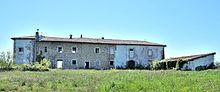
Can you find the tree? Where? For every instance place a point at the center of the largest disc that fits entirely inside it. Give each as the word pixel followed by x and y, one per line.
pixel 40 57
pixel 6 61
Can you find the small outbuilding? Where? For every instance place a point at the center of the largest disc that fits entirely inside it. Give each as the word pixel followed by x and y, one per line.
pixel 192 62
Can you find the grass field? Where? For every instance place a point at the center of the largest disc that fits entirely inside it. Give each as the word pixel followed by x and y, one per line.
pixel 111 81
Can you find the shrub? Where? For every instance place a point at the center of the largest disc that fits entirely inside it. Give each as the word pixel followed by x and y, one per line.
pixel 200 68
pixel 22 67
pixel 120 67
pixel 155 65
pixel 42 66
pixel 45 63
pixel 140 66
pixel 212 66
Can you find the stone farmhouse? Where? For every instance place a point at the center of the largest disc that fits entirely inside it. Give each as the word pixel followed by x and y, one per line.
pixel 86 53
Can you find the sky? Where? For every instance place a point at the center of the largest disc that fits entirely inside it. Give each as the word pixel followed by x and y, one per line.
pixel 186 26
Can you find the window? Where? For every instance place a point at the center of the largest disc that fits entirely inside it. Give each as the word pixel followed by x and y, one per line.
pixel 111 62
pixel 131 53
pixel 60 49
pixel 150 52
pixel 74 62
pixel 45 49
pixel 73 49
pixel 20 50
pixel 112 51
pixel 97 50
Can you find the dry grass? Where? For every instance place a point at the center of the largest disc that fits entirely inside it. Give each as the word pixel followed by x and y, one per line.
pixel 111 81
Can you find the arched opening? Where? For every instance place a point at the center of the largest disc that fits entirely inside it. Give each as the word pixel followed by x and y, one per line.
pixel 131 64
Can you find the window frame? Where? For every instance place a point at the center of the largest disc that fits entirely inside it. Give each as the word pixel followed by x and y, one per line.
pixel 22 50
pixel 131 52
pixel 111 63
pixel 98 50
pixel 112 51
pixel 150 53
pixel 45 49
pixel 75 49
pixel 61 49
pixel 75 61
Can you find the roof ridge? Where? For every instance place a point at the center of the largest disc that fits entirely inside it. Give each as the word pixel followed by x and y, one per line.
pixel 190 57
pixel 93 40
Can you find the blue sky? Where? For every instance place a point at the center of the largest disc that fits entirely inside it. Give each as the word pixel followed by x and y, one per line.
pixel 185 26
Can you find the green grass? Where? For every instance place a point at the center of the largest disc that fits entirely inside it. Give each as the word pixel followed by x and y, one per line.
pixel 111 81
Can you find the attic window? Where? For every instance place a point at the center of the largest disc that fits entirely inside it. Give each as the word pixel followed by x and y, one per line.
pixel 60 49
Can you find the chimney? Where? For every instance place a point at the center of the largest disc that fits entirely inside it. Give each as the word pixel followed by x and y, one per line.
pixel 37 37
pixel 81 36
pixel 71 36
pixel 103 38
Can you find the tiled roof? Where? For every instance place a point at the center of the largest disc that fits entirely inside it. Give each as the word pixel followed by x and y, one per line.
pixel 189 58
pixel 92 41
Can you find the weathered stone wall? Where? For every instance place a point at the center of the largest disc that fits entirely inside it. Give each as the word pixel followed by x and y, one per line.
pixel 140 55
pixel 85 53
pixel 205 61
pixel 25 57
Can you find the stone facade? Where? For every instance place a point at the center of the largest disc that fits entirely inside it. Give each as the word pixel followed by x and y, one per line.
pixel 84 53
pixel 142 55
pixel 27 54
pixel 80 53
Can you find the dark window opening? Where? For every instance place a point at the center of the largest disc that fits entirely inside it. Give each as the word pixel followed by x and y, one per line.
pixel 60 49
pixel 131 49
pixel 96 50
pixel 73 62
pixel 74 50
pixel 111 62
pixel 45 49
pixel 20 49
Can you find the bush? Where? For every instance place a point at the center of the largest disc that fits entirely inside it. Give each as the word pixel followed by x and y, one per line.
pixel 200 68
pixel 212 66
pixel 155 65
pixel 42 66
pixel 120 67
pixel 217 66
pixel 141 67
pixel 22 67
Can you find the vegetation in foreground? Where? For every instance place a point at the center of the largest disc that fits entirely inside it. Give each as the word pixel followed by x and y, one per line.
pixel 111 81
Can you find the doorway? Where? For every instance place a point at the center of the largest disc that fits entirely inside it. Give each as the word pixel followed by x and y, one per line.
pixel 59 63
pixel 86 65
pixel 131 64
